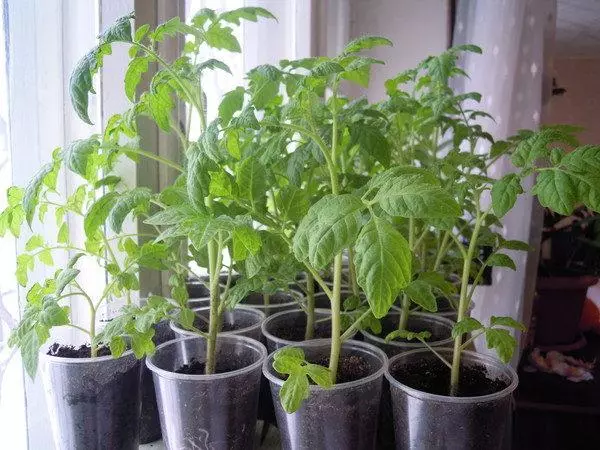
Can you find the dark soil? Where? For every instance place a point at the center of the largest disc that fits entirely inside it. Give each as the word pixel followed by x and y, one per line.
pixel 433 376
pixel 296 332
pixel 350 368
pixel 70 351
pixel 195 367
pixel 389 324
pixel 278 298
pixel 444 305
pixel 203 325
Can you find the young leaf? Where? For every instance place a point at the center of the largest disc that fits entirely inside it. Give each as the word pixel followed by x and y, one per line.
pixel 504 193
pixel 293 392
pixel 137 199
pixel 220 37
pixel 507 322
pixel 408 335
pixel 35 241
pixel 501 260
pixel 411 197
pixel 330 225
pixel 251 13
pixel 467 325
pixel 420 293
pixel 515 245
pixel 98 213
pixel 383 264
pixel 32 192
pixel 65 277
pixel 231 103
pixel 137 67
pixel 365 43
pixel 319 374
pixel 251 182
pixel 502 341
pixel 77 155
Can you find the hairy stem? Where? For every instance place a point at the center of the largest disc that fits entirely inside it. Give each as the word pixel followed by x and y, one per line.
pixel 215 258
pixel 310 307
pixel 352 271
pixel 405 311
pixel 464 301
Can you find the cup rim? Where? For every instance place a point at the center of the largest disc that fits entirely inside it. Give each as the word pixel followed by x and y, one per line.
pixel 368 348
pixel 64 360
pixel 298 298
pixel 484 359
pixel 261 316
pixel 273 317
pixel 248 342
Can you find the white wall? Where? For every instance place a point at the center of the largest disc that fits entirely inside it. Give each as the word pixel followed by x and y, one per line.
pixel 418 28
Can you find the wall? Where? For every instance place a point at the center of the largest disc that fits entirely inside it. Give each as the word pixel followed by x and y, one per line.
pixel 579 105
pixel 418 28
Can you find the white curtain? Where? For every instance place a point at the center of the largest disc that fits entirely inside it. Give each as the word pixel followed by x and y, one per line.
pixel 514 36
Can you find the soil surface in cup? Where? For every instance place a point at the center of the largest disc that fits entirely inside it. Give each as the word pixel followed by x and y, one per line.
pixel 389 324
pixel 350 368
pixel 444 305
pixel 433 376
pixel 70 351
pixel 195 367
pixel 278 298
pixel 296 333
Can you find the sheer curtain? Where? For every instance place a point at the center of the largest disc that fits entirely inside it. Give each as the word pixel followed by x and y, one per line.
pixel 514 36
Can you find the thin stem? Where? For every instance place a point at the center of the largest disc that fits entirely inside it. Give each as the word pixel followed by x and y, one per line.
pixel 355 325
pixel 83 330
pixel 319 280
pixel 310 307
pixel 266 300
pixel 441 251
pixel 92 333
pixel 166 162
pixel 405 311
pixel 352 270
pixel 215 256
pixel 471 339
pixel 464 301
pixel 444 360
pixel 336 323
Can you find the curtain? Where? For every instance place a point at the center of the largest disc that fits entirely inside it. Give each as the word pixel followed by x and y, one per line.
pixel 514 36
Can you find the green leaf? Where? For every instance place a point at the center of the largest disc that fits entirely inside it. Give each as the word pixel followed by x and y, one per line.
pixel 78 153
pixel 45 257
pixel 293 392
pixel 117 346
pixel 220 184
pixel 319 374
pixel 383 264
pixel 502 341
pixel 507 322
pixel 32 191
pixel 251 13
pixel 515 245
pixel 371 141
pixel 198 178
pixel 467 325
pixel 30 347
pixel 213 64
pixel 501 260
pixel 292 203
pixel 63 234
pixel 326 68
pixel 135 200
pixel 231 103
pixel 252 182
pixel 172 215
pixel 330 225
pixel 420 293
pixel 137 67
pixel 35 241
pixel 246 241
pixel 366 43
pixel 263 85
pixel 408 335
pixel 65 277
pixel 437 281
pixel 98 213
pixel 142 344
pixel 119 30
pixel 504 193
pixel 411 197
pixel 220 37
pixel 169 28
pixel 159 104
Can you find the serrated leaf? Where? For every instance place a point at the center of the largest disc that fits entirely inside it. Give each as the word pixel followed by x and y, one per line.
pixel 557 190
pixel 98 213
pixel 251 13
pixel 45 257
pixel 35 241
pixel 78 153
pixel 515 245
pixel 504 193
pixel 221 38
pixel 231 103
pixel 117 346
pixel 501 341
pixel 246 241
pixel 467 325
pixel 292 203
pixel 408 335
pixel 366 43
pixel 159 104
pixel 330 225
pixel 65 277
pixel 172 216
pixel 136 68
pixel 501 260
pixel 420 293
pixel 32 192
pixel 383 264
pixel 137 199
pixel 410 197
pixel 507 322
pixel 251 182
pixel 326 68
pixel 293 392
pixel 30 347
